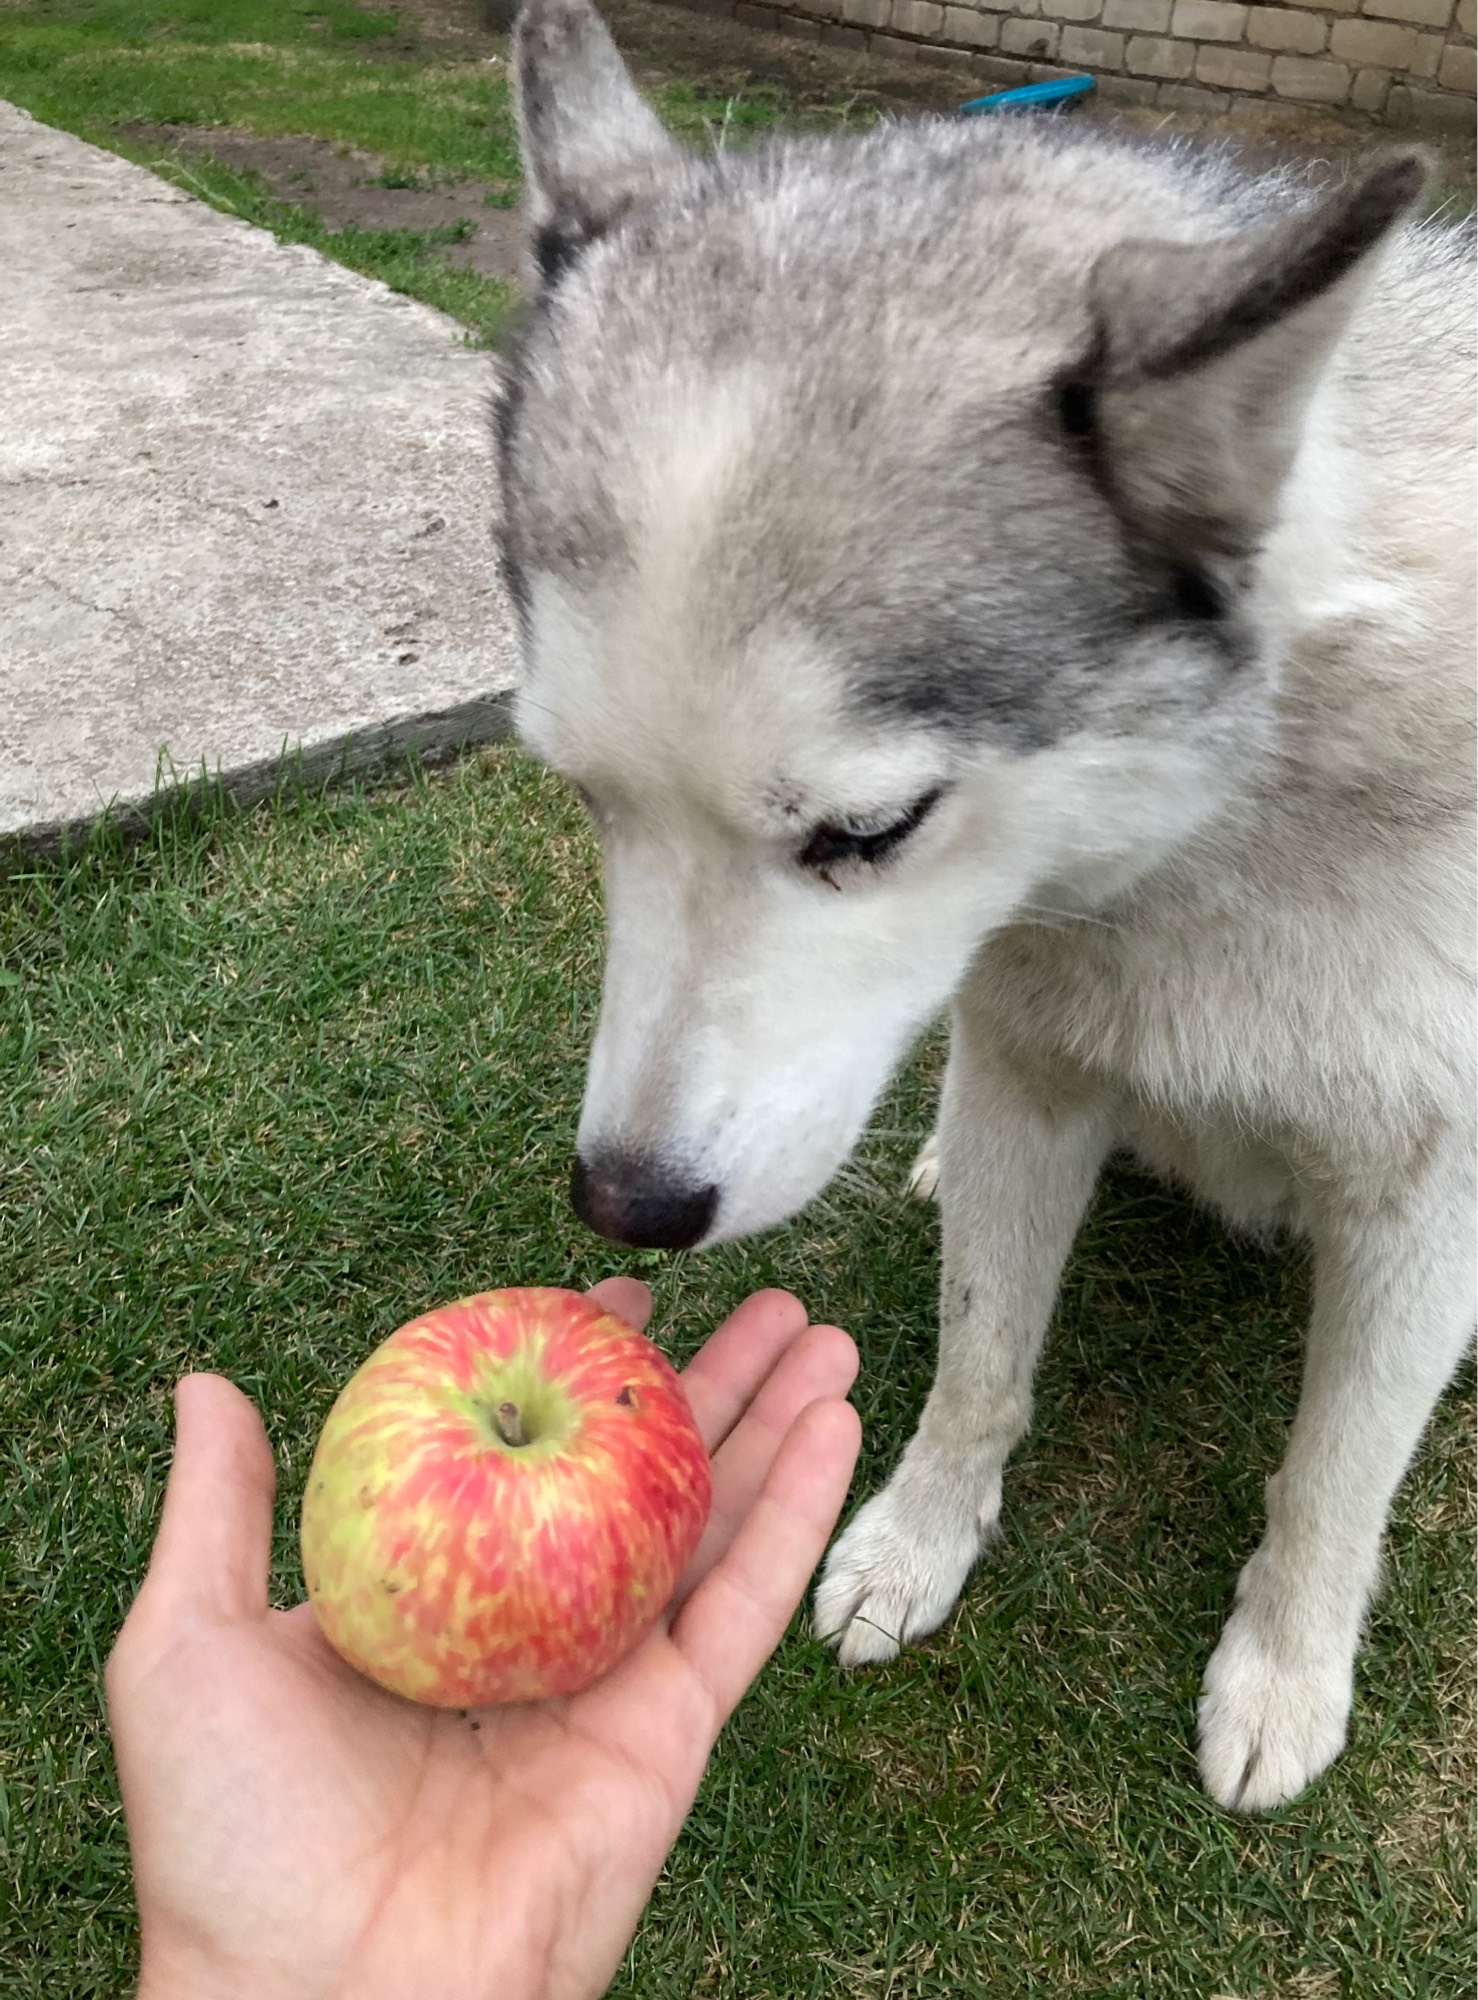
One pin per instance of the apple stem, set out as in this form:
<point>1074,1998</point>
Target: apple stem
<point>509,1421</point>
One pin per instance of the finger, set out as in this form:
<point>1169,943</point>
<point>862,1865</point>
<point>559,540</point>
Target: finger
<point>214,1545</point>
<point>820,1365</point>
<point>736,1617</point>
<point>725,1374</point>
<point>627,1298</point>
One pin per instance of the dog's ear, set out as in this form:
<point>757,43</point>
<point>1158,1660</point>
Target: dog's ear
<point>591,147</point>
<point>1207,355</point>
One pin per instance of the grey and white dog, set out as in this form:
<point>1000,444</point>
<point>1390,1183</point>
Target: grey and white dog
<point>1004,567</point>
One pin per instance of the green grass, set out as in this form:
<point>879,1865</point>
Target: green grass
<point>267,66</point>
<point>269,1084</point>
<point>703,119</point>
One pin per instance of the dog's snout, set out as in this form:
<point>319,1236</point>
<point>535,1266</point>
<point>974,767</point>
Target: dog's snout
<point>646,1203</point>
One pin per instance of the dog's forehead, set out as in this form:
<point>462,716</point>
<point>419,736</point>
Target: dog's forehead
<point>792,439</point>
<point>751,554</point>
<point>618,696</point>
<point>863,301</point>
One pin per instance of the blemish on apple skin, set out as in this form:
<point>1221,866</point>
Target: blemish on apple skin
<point>626,1397</point>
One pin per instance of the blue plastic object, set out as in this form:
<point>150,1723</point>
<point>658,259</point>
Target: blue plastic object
<point>1028,96</point>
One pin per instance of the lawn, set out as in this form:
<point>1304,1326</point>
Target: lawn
<point>272,1083</point>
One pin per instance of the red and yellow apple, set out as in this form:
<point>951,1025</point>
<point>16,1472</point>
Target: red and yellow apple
<point>502,1500</point>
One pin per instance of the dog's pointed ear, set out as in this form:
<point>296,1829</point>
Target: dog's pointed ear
<point>1207,355</point>
<point>591,147</point>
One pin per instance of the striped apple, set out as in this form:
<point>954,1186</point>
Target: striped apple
<point>502,1500</point>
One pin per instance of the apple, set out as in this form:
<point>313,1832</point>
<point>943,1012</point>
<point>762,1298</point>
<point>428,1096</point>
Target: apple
<point>502,1500</point>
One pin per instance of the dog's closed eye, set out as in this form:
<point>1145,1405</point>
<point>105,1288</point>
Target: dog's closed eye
<point>831,843</point>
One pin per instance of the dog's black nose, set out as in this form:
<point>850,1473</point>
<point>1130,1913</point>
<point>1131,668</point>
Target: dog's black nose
<point>642,1202</point>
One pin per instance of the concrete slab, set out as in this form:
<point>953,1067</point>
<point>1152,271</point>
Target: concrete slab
<point>246,501</point>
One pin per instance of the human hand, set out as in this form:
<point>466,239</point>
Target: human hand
<point>299,1834</point>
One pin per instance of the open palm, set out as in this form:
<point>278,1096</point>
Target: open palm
<point>297,1831</point>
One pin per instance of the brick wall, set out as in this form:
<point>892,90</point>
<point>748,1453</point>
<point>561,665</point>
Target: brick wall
<point>1409,63</point>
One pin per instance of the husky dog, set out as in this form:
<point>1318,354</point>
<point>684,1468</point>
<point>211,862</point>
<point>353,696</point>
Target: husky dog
<point>917,532</point>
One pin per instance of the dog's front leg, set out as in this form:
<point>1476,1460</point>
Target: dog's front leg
<point>1020,1147</point>
<point>1393,1313</point>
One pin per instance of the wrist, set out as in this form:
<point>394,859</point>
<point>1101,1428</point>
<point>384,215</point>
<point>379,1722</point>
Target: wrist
<point>201,1976</point>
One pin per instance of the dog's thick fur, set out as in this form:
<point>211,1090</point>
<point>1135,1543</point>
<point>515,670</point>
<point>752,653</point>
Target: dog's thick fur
<point>999,565</point>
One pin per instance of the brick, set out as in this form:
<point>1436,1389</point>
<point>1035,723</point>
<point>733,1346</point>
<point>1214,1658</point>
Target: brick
<point>800,31</point>
<point>1422,13</point>
<point>1426,56</point>
<point>1368,91</point>
<point>1311,81</point>
<point>867,13</point>
<point>976,31</point>
<point>926,52</point>
<point>1091,48</point>
<point>894,47</point>
<point>1330,6</point>
<point>1233,69</point>
<point>1382,43</point>
<point>757,17</point>
<point>1284,28</point>
<point>1140,17</point>
<point>1430,111</point>
<point>1209,21</point>
<point>825,10</point>
<point>1458,71</point>
<point>1467,17</point>
<point>1151,56</point>
<point>1071,10</point>
<point>1125,90</point>
<point>917,17</point>
<point>1030,38</point>
<point>834,37</point>
<point>1185,97</point>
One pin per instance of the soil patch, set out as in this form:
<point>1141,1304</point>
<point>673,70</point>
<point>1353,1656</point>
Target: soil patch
<point>346,188</point>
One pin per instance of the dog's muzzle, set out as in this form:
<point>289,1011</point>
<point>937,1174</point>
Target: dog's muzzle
<point>643,1202</point>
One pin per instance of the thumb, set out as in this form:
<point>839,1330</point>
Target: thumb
<point>214,1545</point>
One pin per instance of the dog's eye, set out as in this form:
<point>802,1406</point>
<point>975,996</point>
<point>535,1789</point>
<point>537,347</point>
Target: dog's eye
<point>1197,596</point>
<point>830,844</point>
<point>1075,408</point>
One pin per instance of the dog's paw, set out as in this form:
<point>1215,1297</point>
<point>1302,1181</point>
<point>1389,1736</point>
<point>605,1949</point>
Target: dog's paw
<point>1267,1728</point>
<point>893,1576</point>
<point>923,1175</point>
